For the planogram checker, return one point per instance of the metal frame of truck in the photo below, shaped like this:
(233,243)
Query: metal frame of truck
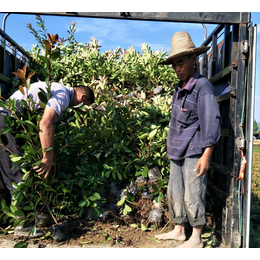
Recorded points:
(230,66)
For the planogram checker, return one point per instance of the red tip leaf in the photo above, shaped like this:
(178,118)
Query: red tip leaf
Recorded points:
(31,74)
(21,89)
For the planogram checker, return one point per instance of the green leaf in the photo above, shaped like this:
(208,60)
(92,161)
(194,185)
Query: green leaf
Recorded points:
(55,54)
(145,171)
(85,242)
(119,176)
(95,197)
(127,209)
(5,209)
(16,158)
(78,168)
(3,203)
(21,244)
(143,136)
(143,227)
(19,213)
(153,133)
(160,197)
(107,174)
(26,175)
(154,239)
(114,175)
(48,149)
(38,163)
(27,208)
(106,167)
(155,188)
(42,96)
(126,149)
(134,226)
(13,208)
(78,106)
(121,202)
(82,203)
(6,130)
(24,136)
(44,59)
(10,215)
(103,120)
(30,123)
(33,231)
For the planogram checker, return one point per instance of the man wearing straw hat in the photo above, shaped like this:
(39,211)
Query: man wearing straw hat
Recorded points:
(194,131)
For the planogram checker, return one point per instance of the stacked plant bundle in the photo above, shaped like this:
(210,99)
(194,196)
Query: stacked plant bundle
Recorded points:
(93,149)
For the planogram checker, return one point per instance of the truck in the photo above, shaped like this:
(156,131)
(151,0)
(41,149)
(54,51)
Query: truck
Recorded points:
(230,65)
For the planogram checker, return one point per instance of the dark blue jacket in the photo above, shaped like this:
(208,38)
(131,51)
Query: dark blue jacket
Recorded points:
(195,119)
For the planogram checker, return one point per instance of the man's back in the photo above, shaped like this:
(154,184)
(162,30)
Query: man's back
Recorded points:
(60,99)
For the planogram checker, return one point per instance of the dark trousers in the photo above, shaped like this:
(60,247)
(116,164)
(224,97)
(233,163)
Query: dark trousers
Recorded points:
(8,174)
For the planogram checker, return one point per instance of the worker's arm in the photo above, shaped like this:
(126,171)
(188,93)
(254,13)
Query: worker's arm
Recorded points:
(46,134)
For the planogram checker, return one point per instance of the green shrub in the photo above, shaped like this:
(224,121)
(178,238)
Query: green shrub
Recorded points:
(92,149)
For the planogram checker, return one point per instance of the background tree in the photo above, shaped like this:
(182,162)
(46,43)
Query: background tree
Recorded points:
(255,127)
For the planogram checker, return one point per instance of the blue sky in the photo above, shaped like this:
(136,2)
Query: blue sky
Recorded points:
(112,33)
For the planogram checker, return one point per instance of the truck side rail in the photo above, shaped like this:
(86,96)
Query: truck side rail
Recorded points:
(12,57)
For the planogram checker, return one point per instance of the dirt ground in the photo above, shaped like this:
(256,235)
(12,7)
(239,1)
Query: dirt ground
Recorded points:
(136,230)
(98,234)
(94,235)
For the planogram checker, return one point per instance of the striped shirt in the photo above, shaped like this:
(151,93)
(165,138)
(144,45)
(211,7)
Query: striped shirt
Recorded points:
(195,119)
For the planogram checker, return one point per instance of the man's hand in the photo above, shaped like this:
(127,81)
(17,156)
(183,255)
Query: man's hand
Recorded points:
(45,167)
(203,163)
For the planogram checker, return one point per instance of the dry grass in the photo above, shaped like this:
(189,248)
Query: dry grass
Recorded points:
(256,171)
(255,201)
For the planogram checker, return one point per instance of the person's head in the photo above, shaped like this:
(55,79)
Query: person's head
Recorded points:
(83,94)
(184,66)
(183,54)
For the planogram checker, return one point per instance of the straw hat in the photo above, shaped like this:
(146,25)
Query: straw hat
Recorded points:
(181,44)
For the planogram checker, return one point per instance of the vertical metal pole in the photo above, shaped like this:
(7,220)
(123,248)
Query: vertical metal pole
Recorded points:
(250,140)
(238,110)
(205,57)
(3,41)
(205,31)
(4,20)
